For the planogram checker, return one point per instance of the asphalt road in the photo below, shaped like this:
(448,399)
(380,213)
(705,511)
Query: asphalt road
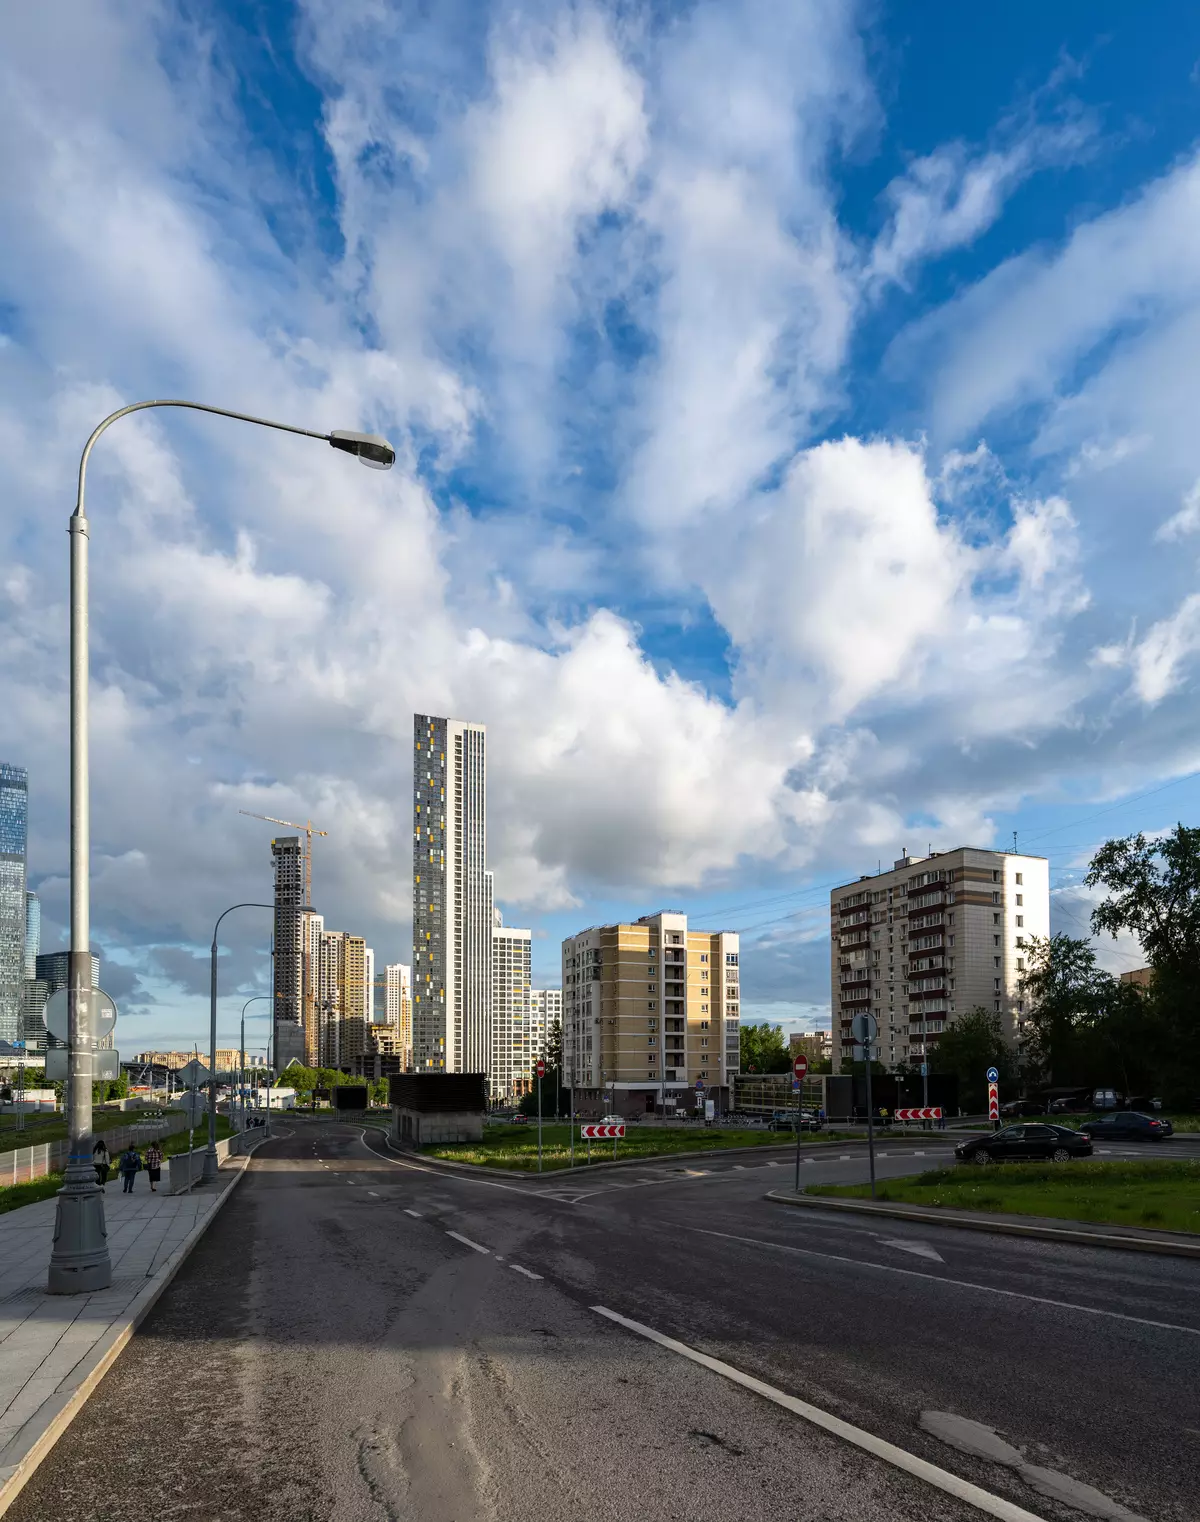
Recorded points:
(358,1337)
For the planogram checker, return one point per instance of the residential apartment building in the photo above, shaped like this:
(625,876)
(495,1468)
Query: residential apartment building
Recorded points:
(511,1059)
(650,1013)
(397,1012)
(934,937)
(229,1058)
(816,1045)
(452,897)
(342,998)
(296,1035)
(546,1014)
(14,836)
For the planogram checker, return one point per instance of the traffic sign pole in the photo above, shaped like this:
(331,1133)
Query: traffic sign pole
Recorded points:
(541,1069)
(799,1069)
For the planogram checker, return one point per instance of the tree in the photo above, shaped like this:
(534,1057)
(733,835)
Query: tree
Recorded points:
(974,1043)
(1069,999)
(762,1049)
(1154,891)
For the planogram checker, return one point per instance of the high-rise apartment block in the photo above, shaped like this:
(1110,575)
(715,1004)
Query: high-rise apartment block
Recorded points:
(546,1013)
(510,1063)
(651,1012)
(14,838)
(934,937)
(54,967)
(293,1006)
(33,932)
(397,1012)
(341,998)
(452,897)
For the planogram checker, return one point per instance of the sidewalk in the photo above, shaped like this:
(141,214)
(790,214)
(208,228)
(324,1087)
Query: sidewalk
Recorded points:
(54,1349)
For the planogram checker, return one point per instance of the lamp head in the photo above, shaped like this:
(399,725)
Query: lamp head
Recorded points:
(370,448)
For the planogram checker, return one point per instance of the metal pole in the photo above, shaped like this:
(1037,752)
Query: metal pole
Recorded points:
(539,1122)
(79,1259)
(870,1122)
(571,1117)
(210,1155)
(799,1117)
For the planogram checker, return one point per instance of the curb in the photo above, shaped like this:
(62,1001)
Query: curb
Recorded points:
(68,1403)
(1001,1225)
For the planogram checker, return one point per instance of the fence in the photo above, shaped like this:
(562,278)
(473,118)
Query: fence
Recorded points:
(26,1163)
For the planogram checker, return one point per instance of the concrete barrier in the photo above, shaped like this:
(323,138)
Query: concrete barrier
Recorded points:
(187,1168)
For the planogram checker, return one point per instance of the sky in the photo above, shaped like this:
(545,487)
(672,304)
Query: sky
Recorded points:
(797,461)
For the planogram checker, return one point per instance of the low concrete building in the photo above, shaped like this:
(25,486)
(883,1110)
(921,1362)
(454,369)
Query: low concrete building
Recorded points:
(430,1108)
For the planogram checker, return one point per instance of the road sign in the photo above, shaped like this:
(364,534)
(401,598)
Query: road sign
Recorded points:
(923,1112)
(924,1070)
(863,1053)
(993,1075)
(192,1103)
(993,1101)
(602,1133)
(541,1068)
(864,1028)
(193,1074)
(104,1064)
(104,1015)
(800,1066)
(700,1083)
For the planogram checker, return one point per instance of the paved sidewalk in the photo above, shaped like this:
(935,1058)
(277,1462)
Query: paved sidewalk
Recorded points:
(54,1349)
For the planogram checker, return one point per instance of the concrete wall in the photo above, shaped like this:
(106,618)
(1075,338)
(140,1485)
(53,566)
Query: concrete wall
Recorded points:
(413,1128)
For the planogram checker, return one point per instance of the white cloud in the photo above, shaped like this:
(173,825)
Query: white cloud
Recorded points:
(1158,660)
(1185,521)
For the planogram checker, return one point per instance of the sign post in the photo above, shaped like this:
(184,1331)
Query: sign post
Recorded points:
(864,1028)
(541,1073)
(799,1069)
(993,1083)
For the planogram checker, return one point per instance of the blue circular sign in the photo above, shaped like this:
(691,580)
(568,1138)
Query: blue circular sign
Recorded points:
(993,1075)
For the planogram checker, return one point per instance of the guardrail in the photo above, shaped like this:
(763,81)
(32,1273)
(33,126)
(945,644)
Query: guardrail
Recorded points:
(23,1164)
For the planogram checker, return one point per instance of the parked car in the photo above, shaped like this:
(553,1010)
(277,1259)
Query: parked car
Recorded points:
(1127,1125)
(785,1120)
(1023,1107)
(1025,1142)
(612,1120)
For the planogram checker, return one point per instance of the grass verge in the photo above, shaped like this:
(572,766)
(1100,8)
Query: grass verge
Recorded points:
(1162,1196)
(515,1147)
(13,1196)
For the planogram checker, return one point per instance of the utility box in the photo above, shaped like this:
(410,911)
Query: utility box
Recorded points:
(350,1096)
(431,1108)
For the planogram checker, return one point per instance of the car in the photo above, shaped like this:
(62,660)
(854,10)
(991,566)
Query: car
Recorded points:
(1127,1125)
(612,1120)
(1025,1142)
(1023,1107)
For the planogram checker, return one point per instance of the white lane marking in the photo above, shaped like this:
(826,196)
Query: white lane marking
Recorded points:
(918,1154)
(921,1469)
(465,1178)
(739,1167)
(528,1272)
(774,1165)
(918,1249)
(913,1273)
(416,1213)
(466,1242)
(845,1157)
(372,1193)
(883,1154)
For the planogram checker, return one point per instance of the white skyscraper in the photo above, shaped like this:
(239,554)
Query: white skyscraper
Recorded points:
(510,1063)
(452,921)
(545,1007)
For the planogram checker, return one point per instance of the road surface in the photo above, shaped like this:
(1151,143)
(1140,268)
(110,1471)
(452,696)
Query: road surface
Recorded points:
(360,1338)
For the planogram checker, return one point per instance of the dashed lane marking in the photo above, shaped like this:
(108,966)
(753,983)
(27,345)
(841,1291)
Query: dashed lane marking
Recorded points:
(415,1213)
(528,1272)
(921,1469)
(372,1193)
(466,1242)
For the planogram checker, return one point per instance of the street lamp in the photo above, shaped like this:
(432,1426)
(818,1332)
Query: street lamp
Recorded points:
(79,1260)
(210,1152)
(242,1077)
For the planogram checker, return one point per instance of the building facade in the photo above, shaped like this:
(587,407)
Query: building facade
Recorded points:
(452,897)
(816,1045)
(510,1061)
(293,1010)
(651,1013)
(934,937)
(397,1011)
(341,998)
(33,932)
(546,1015)
(54,967)
(14,842)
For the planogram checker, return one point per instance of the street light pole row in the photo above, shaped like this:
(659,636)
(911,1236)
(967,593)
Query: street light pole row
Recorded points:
(79,1259)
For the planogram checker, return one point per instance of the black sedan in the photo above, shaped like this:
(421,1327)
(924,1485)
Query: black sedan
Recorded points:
(1013,1144)
(1127,1125)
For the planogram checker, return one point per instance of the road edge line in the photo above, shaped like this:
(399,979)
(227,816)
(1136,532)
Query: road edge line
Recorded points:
(1001,1227)
(107,1351)
(880,1448)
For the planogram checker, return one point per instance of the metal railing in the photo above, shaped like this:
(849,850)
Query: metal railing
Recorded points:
(27,1163)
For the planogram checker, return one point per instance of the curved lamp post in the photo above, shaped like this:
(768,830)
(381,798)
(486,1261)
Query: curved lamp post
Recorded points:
(242,1053)
(210,1153)
(79,1260)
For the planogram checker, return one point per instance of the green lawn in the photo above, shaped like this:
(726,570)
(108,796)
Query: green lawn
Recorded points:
(515,1147)
(53,1127)
(13,1196)
(1163,1195)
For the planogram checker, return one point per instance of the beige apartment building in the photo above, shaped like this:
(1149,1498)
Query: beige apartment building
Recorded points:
(342,998)
(929,940)
(650,1014)
(816,1045)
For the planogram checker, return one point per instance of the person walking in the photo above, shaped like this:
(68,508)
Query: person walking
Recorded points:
(101,1162)
(129,1165)
(154,1165)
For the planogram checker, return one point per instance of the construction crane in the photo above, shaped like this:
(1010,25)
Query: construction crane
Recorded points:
(309,832)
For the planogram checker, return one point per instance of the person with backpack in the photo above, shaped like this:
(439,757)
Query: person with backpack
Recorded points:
(101,1162)
(129,1166)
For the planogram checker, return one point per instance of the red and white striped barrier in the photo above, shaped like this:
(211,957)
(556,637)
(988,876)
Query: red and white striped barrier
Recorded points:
(993,1101)
(601,1133)
(929,1112)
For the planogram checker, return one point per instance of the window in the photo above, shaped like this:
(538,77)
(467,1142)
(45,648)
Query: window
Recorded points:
(995,877)
(995,940)
(651,1040)
(1020,921)
(995,919)
(1020,900)
(704,956)
(651,1004)
(1020,964)
(1020,879)
(996,961)
(995,898)
(703,1040)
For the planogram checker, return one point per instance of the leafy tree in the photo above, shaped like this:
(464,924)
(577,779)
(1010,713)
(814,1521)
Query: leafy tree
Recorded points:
(551,1086)
(1069,1000)
(974,1043)
(1154,891)
(762,1049)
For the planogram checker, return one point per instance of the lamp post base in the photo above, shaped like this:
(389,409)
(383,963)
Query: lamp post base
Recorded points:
(79,1262)
(211,1165)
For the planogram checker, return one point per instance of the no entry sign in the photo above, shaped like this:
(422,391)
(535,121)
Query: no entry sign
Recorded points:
(800,1066)
(928,1112)
(541,1068)
(599,1132)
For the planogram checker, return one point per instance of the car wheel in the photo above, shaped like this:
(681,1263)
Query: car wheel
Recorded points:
(981,1155)
(1060,1155)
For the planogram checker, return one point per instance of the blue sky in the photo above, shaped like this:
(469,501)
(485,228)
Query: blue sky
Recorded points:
(795,407)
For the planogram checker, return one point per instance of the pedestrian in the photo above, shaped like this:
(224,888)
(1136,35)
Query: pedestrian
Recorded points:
(129,1165)
(101,1162)
(154,1165)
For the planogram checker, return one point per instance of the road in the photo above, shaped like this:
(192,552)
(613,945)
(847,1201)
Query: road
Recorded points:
(360,1337)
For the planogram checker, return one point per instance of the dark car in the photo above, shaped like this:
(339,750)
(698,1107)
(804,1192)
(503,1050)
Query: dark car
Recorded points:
(1023,1107)
(1127,1125)
(1025,1142)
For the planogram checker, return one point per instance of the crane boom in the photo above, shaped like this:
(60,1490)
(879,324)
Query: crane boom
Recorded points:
(309,831)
